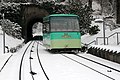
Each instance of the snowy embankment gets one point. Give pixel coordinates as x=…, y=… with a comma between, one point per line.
x=10, y=42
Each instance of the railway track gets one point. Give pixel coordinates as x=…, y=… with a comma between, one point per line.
x=98, y=63
x=35, y=63
x=106, y=71
x=21, y=63
x=5, y=63
x=31, y=56
x=41, y=63
x=77, y=58
x=30, y=60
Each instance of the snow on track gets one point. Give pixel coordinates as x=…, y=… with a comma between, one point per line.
x=108, y=72
x=58, y=67
x=30, y=65
x=103, y=61
x=11, y=70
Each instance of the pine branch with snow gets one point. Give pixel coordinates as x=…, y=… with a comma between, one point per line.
x=11, y=28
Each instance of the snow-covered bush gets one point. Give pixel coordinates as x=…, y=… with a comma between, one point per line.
x=11, y=28
x=11, y=11
x=94, y=30
x=15, y=49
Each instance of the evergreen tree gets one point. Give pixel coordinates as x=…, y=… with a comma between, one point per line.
x=93, y=30
x=12, y=13
x=84, y=12
x=118, y=11
x=11, y=28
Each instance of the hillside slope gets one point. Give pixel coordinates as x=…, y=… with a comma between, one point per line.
x=9, y=41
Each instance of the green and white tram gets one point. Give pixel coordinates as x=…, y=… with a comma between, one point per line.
x=61, y=32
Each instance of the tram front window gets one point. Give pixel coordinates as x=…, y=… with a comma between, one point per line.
x=64, y=24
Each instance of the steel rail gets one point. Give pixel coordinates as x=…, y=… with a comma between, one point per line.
x=31, y=62
x=41, y=64
x=21, y=63
x=88, y=67
x=5, y=63
x=98, y=63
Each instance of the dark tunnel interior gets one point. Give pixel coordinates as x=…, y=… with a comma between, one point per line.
x=29, y=28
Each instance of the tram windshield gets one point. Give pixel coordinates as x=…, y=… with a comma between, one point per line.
x=64, y=24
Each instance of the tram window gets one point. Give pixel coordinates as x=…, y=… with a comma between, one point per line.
x=64, y=24
x=46, y=28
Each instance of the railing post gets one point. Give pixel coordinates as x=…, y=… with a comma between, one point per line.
x=3, y=33
x=107, y=41
x=117, y=39
x=96, y=43
x=104, y=31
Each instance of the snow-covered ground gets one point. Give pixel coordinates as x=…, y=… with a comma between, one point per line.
x=57, y=66
x=9, y=41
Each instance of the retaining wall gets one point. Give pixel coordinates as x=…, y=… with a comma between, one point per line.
x=105, y=53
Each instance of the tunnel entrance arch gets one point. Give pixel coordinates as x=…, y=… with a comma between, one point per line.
x=31, y=14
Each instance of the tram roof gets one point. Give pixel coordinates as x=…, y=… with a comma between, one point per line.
x=60, y=15
x=54, y=15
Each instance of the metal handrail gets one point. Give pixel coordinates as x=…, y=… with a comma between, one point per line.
x=91, y=42
x=103, y=37
x=112, y=34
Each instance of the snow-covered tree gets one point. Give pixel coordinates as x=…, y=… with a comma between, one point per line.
x=11, y=28
x=83, y=11
x=11, y=11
